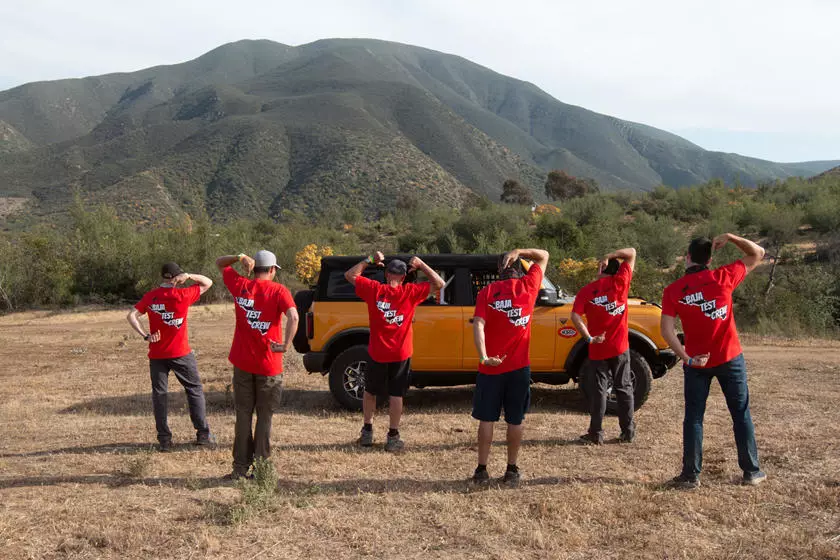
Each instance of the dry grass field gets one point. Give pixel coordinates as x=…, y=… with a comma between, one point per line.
x=78, y=479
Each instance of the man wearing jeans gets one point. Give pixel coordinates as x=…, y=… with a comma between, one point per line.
x=502, y=336
x=604, y=302
x=256, y=352
x=169, y=349
x=703, y=300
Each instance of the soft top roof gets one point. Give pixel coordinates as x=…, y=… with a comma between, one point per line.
x=469, y=261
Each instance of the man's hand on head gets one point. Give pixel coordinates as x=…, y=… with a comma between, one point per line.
x=720, y=241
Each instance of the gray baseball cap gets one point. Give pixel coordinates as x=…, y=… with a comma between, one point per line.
x=265, y=258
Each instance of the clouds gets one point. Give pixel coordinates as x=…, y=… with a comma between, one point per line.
x=757, y=66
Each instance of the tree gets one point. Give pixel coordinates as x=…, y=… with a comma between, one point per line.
x=513, y=192
x=561, y=186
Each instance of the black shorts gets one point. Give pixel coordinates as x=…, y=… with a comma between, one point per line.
x=511, y=390
x=389, y=379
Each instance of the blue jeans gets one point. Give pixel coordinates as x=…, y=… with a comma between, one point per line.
x=732, y=377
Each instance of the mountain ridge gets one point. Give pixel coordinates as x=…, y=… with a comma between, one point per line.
x=261, y=127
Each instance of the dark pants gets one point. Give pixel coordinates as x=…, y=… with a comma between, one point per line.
x=510, y=390
x=732, y=377
x=185, y=369
x=615, y=371
x=253, y=392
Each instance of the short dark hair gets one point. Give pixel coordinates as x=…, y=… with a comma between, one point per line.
x=612, y=267
x=262, y=269
x=515, y=270
x=700, y=250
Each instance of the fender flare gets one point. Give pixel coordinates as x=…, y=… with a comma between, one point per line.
x=578, y=352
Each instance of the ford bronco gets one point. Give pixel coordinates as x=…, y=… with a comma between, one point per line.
x=333, y=338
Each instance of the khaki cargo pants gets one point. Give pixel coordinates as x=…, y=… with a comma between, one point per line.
x=253, y=392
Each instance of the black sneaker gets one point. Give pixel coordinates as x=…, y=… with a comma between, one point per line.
x=591, y=439
x=511, y=478
x=685, y=482
x=754, y=479
x=481, y=477
x=626, y=437
x=165, y=446
x=208, y=441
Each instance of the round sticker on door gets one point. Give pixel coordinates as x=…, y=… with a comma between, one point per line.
x=567, y=332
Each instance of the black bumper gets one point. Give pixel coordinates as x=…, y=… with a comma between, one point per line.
x=315, y=361
x=665, y=360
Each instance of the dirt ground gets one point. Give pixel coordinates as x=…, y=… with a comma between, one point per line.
x=78, y=479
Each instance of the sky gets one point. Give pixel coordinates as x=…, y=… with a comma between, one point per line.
x=747, y=76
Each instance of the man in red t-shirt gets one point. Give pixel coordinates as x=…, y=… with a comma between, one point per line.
x=702, y=299
x=390, y=313
x=604, y=302
x=169, y=349
x=257, y=351
x=502, y=336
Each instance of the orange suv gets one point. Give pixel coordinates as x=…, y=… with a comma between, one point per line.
x=333, y=338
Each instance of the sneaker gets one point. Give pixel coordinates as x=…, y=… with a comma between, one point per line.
x=394, y=443
x=366, y=438
x=590, y=439
x=480, y=478
x=626, y=437
x=754, y=479
x=685, y=482
x=511, y=478
x=165, y=446
x=208, y=441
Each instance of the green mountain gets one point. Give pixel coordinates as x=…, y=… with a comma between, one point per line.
x=260, y=128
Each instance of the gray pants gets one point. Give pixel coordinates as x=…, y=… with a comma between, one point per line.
x=253, y=392
x=616, y=371
x=185, y=369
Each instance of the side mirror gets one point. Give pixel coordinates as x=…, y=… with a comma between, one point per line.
x=546, y=297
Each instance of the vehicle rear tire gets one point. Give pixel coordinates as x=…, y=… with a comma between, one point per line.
x=642, y=381
x=347, y=376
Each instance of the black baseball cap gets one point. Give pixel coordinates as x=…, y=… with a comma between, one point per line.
x=170, y=270
x=397, y=267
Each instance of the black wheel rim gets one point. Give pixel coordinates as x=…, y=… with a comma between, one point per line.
x=354, y=379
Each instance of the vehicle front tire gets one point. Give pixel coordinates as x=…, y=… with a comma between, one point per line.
x=642, y=381
x=347, y=376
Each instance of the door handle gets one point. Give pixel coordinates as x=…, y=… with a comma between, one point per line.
x=472, y=320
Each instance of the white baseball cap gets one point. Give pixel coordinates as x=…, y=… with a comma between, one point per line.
x=264, y=259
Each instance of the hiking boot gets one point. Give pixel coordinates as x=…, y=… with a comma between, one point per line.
x=366, y=438
x=481, y=477
x=511, y=478
x=591, y=439
x=394, y=443
x=754, y=479
x=238, y=475
x=208, y=441
x=165, y=446
x=626, y=437
x=685, y=482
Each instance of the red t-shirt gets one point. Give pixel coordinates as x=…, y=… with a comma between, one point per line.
x=507, y=307
x=391, y=314
x=604, y=302
x=259, y=305
x=703, y=300
x=167, y=309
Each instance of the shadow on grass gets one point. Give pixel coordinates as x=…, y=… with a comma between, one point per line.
x=317, y=403
x=344, y=447
x=297, y=489
x=116, y=481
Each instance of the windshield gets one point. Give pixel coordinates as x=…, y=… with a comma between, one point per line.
x=550, y=286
